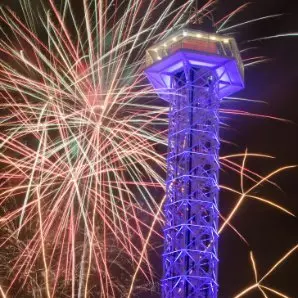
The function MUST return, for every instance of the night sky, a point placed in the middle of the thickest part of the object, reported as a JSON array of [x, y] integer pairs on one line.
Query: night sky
[[269, 232]]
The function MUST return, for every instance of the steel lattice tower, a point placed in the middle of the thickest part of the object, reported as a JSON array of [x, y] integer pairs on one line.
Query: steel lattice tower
[[193, 70]]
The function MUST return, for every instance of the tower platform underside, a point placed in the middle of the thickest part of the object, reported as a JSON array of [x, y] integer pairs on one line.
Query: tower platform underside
[[225, 68]]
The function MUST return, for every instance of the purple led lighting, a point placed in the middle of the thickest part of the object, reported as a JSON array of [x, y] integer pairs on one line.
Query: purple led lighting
[[193, 82]]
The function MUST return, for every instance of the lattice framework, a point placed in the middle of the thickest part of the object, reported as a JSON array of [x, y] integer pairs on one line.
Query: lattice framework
[[190, 255]]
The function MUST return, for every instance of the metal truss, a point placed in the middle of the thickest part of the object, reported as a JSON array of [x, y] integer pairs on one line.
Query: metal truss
[[191, 210]]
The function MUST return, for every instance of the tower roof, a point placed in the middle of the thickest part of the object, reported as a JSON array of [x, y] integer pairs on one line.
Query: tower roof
[[197, 49], [196, 40]]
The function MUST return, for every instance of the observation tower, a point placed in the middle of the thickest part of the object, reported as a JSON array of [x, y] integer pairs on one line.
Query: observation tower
[[193, 71]]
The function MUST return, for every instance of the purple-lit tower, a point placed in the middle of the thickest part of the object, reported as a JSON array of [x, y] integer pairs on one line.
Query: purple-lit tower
[[193, 71]]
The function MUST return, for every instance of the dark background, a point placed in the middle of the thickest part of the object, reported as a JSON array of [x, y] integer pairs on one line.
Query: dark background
[[269, 232]]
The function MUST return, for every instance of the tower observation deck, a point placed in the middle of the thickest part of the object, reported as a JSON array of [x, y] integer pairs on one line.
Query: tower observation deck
[[193, 71]]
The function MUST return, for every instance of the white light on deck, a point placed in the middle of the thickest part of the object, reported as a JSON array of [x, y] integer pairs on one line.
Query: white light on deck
[[226, 40], [213, 37], [199, 35]]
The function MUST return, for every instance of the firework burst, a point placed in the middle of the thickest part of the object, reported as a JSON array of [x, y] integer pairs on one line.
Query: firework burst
[[78, 153], [80, 167]]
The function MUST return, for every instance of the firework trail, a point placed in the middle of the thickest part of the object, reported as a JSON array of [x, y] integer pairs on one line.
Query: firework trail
[[77, 144], [80, 167]]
